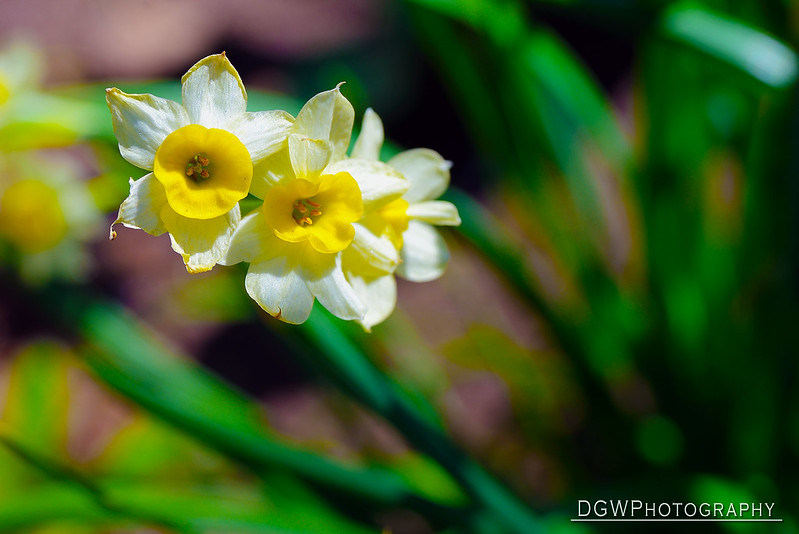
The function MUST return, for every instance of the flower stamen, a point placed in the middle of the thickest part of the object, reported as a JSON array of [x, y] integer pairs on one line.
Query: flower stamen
[[305, 210], [197, 168]]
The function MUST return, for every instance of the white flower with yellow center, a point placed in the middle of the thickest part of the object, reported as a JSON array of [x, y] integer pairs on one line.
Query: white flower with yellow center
[[201, 155], [407, 223], [47, 215], [313, 197]]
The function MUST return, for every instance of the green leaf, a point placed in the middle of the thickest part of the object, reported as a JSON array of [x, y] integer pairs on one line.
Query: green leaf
[[195, 401], [503, 20], [35, 401], [284, 506], [50, 503], [569, 87], [734, 42]]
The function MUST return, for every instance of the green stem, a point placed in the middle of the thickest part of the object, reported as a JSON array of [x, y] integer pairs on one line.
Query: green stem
[[364, 382]]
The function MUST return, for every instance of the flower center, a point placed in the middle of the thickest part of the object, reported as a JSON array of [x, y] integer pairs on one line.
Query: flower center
[[197, 168], [204, 171], [293, 210], [306, 211]]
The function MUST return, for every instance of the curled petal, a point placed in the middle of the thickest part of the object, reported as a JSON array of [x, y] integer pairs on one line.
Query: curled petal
[[142, 208], [213, 93], [141, 123], [308, 156], [426, 170], [327, 116], [437, 212], [370, 140], [201, 242], [424, 254]]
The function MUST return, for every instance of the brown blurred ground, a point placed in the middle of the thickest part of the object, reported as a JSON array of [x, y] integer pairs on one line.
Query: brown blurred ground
[[102, 39]]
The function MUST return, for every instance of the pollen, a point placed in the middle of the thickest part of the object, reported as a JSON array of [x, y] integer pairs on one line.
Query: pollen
[[305, 211], [197, 168]]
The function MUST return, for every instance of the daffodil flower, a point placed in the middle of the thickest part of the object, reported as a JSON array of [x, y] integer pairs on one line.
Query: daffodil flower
[[201, 154], [46, 215], [406, 223], [313, 196]]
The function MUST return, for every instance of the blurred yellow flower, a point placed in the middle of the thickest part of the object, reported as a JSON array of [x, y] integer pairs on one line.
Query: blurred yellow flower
[[31, 217], [46, 215]]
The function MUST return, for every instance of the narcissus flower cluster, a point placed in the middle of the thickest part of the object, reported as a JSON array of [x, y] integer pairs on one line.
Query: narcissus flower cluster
[[332, 227], [47, 216]]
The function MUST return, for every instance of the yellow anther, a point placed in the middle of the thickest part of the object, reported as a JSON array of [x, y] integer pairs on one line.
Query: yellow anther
[[303, 211], [197, 167]]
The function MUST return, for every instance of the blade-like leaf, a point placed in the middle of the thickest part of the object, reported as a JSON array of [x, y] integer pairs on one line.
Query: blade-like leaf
[[734, 42]]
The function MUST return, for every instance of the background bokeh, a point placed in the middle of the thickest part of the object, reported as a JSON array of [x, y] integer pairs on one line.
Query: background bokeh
[[618, 319]]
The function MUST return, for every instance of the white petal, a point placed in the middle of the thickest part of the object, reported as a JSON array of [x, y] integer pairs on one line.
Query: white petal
[[213, 93], [262, 132], [328, 116], [308, 156], [142, 208], [201, 242], [369, 141], [277, 286], [379, 183], [379, 294], [438, 212], [335, 294], [426, 170], [424, 253], [377, 252], [141, 123], [250, 240]]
